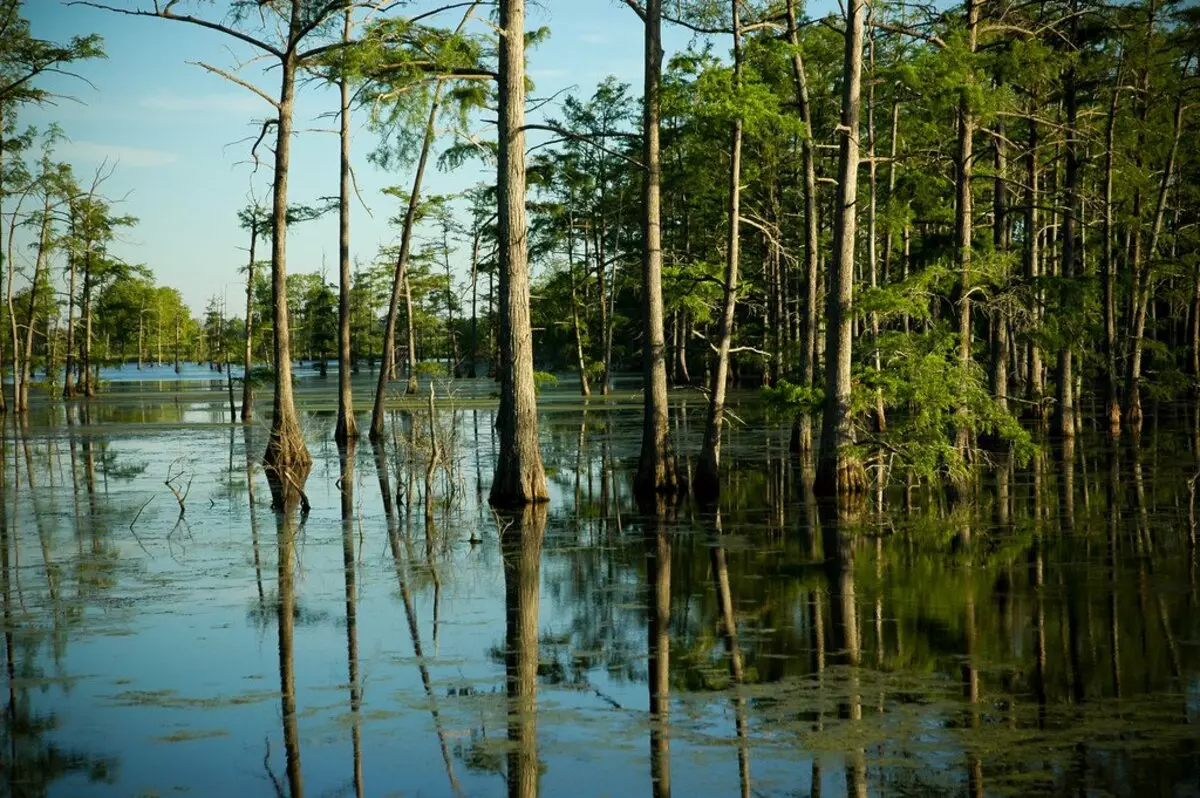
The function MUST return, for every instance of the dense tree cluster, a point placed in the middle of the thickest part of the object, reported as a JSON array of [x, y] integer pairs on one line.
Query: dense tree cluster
[[922, 224]]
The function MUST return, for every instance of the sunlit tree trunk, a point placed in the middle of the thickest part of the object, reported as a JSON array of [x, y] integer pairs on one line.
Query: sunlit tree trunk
[[707, 469], [519, 477], [400, 280], [656, 464], [248, 354], [963, 218], [287, 460], [347, 428], [838, 469], [802, 428]]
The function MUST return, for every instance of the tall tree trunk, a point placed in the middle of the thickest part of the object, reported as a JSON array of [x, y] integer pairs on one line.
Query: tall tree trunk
[[1144, 287], [963, 223], [839, 471], [1065, 406], [286, 461], [1000, 242], [707, 469], [872, 214], [656, 463], [347, 427], [1033, 252], [248, 355], [472, 373], [411, 337], [69, 356], [400, 280], [802, 427], [580, 356], [86, 382], [39, 269], [519, 477]]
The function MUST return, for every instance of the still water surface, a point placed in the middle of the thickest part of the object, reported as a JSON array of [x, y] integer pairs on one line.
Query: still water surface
[[1041, 639]]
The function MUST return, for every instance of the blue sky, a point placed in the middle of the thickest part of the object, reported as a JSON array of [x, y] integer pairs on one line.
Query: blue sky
[[178, 132]]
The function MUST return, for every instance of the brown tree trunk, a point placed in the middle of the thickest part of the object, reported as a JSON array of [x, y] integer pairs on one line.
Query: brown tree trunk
[[347, 428], [1033, 253], [838, 470], [522, 554], [248, 354], [286, 461], [519, 477], [802, 428], [963, 220], [1065, 409], [584, 388], [708, 468], [412, 387], [69, 356], [1000, 242], [1144, 287], [400, 280], [656, 463]]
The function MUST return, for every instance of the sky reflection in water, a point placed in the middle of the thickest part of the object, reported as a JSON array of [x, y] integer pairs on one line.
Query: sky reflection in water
[[1043, 640]]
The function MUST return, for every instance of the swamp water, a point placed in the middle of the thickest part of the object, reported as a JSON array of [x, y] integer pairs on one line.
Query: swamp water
[[1043, 639]]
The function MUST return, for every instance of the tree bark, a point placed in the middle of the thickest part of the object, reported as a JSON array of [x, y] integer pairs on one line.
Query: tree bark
[[1065, 409], [963, 222], [519, 478], [400, 280], [248, 354], [839, 471], [708, 468], [286, 461], [802, 427], [347, 428], [656, 463]]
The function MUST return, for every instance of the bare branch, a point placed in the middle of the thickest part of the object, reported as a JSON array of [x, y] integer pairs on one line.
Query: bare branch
[[235, 79], [165, 13]]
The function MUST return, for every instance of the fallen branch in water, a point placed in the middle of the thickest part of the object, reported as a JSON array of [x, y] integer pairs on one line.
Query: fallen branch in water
[[172, 478]]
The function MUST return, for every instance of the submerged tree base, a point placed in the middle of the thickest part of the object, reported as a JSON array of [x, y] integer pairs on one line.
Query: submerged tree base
[[841, 476], [287, 464]]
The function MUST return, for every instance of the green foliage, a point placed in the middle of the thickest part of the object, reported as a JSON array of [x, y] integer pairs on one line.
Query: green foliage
[[544, 379]]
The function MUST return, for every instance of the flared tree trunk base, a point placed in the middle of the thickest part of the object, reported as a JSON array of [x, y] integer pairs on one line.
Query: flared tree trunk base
[[841, 476], [287, 464]]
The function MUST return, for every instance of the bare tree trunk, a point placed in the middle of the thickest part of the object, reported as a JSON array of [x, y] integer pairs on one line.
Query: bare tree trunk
[[839, 471], [39, 268], [347, 427], [1065, 410], [1000, 242], [472, 372], [400, 280], [656, 463], [802, 428], [584, 388], [86, 381], [286, 461], [69, 356], [519, 477], [248, 358], [872, 214], [708, 468], [1033, 264], [1144, 288], [963, 219], [412, 386]]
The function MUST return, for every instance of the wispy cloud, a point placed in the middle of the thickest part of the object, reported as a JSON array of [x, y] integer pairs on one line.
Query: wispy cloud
[[136, 157], [593, 38], [227, 102]]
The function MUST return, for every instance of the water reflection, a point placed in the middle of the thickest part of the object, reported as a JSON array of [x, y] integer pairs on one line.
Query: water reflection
[[1036, 637], [521, 536]]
